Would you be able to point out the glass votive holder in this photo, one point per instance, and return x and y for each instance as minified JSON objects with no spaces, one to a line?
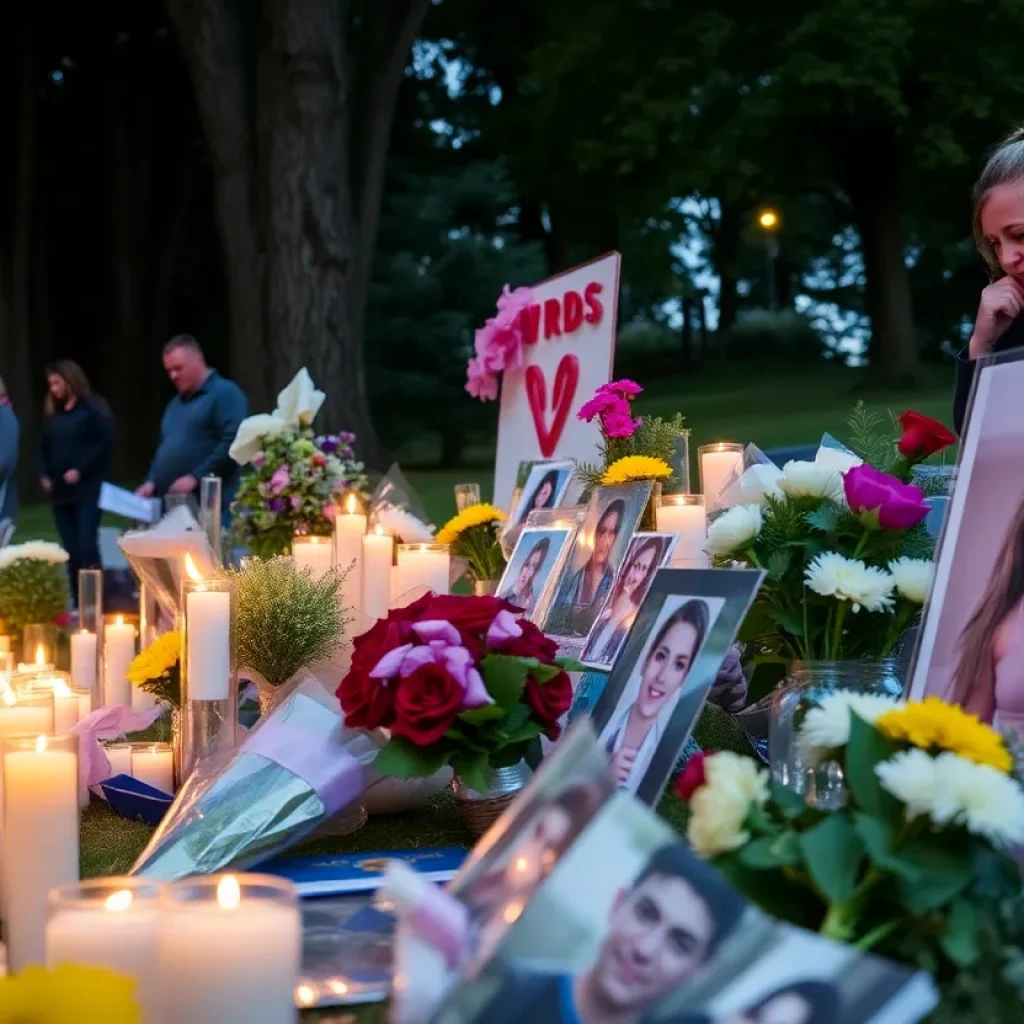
{"x":233,"y":944}
{"x":120,"y":757}
{"x":718,"y":464}
{"x":313,"y":553}
{"x":38,"y":647}
{"x":681,"y":462}
{"x":26,"y":712}
{"x":153,"y":764}
{"x":466,"y":495}
{"x":111,"y":922}
{"x":422,"y":565}
{"x":209,"y":684}
{"x":685,"y":515}
{"x":67,"y":706}
{"x":210,"y":517}
{"x":90,"y":600}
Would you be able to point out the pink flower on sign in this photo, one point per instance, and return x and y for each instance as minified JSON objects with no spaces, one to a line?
{"x":498,"y":345}
{"x":879,"y":497}
{"x":280,"y":480}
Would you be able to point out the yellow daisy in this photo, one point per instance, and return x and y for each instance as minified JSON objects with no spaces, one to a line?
{"x":636,"y":467}
{"x":933,"y":724}
{"x":157,"y":659}
{"x":470,"y":516}
{"x":69,"y":994}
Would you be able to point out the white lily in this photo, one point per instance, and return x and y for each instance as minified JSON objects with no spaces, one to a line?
{"x":297,"y":404}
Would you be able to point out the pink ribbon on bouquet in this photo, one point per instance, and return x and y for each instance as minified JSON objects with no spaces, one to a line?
{"x":106,"y":724}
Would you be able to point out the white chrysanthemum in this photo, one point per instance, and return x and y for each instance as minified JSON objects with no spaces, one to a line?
{"x":837,"y":458}
{"x":759,"y":482}
{"x":811,"y":480}
{"x":849,"y":579}
{"x":403,"y":525}
{"x":733,"y":530}
{"x":913,"y":578}
{"x":33,"y":550}
{"x":828,"y":725}
{"x":950,"y":790}
{"x":719,"y":808}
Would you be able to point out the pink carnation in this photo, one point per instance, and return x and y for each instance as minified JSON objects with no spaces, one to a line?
{"x":599,"y":404}
{"x":479,"y":383}
{"x":498,"y":344}
{"x":617,"y":424}
{"x":624,"y":388}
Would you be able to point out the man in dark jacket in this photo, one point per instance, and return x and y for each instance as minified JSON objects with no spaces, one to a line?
{"x":10,"y":433}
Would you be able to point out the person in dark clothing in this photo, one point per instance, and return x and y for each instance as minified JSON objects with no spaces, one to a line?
{"x":999,"y":236}
{"x":74,"y":455}
{"x":199,"y":424}
{"x":10,"y":433}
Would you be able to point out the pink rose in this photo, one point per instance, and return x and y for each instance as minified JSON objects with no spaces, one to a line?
{"x":280,"y":480}
{"x":871,"y":493}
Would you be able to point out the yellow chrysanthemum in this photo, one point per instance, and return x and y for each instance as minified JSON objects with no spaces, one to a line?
{"x":932,"y":724}
{"x":69,"y":994}
{"x":158,"y":658}
{"x":636,"y":467}
{"x":470,"y":516}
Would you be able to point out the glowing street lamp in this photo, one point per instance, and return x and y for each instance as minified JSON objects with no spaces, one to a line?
{"x":768,"y":219}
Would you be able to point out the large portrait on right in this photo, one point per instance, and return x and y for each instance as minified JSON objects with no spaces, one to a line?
{"x":971,"y":646}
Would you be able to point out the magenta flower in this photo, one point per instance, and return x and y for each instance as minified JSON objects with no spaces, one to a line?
{"x":880,"y":498}
{"x":601,"y":402}
{"x":455,"y":659}
{"x":498,"y":345}
{"x":480,"y":383}
{"x":624,"y":388}
{"x":504,"y":627}
{"x":279,"y":481}
{"x":330,"y":512}
{"x":618,"y":424}
{"x":259,"y":460}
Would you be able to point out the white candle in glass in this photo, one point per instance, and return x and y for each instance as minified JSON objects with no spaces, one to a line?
{"x":208,"y":641}
{"x":153,"y":764}
{"x":230,"y":950}
{"x":423,"y":565}
{"x":66,"y":708}
{"x":120,"y":757}
{"x":39,"y":839}
{"x":684,"y":515}
{"x":313,"y":553}
{"x":349,"y":529}
{"x":39,"y":665}
{"x":118,"y":654}
{"x":26,"y":713}
{"x":112,"y":923}
{"x":378,"y":552}
{"x":84,"y":660}
{"x":718,"y":463}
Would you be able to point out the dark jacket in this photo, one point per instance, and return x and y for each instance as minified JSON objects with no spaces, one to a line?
{"x":79,"y":438}
{"x":1013,"y":337}
{"x":9,"y":435}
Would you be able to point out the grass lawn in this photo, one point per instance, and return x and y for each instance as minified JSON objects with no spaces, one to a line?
{"x":771,"y":411}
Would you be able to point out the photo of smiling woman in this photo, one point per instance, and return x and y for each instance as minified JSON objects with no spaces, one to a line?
{"x":636,"y":728}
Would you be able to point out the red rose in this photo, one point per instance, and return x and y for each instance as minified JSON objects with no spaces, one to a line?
{"x":922,"y":436}
{"x":549,"y":701}
{"x":367,"y":703}
{"x":63,"y":620}
{"x":467,"y":614}
{"x":532,"y":644}
{"x":692,"y":776}
{"x":427,"y":703}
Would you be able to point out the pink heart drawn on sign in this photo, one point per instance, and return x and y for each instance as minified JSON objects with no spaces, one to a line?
{"x":567,"y":376}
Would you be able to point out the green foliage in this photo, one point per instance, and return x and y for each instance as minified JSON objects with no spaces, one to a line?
{"x":166,"y":688}
{"x":33,"y":591}
{"x":285,"y":619}
{"x":656,"y":438}
{"x":869,"y":439}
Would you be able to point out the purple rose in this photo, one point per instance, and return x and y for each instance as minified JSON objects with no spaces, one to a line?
{"x":870,"y":492}
{"x":277,"y":504}
{"x":329,"y":445}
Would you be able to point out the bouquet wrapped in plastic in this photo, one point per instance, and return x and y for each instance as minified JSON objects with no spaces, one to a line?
{"x":299,"y":768}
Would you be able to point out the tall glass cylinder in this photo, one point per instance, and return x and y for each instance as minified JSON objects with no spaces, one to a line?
{"x":149,"y":617}
{"x":210,"y":514}
{"x":681,"y":464}
{"x":90,"y":600}
{"x":86,"y":646}
{"x":209,"y":685}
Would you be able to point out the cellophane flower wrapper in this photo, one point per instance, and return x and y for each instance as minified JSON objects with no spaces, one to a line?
{"x":297,"y":769}
{"x":157,"y":556}
{"x":731,"y":493}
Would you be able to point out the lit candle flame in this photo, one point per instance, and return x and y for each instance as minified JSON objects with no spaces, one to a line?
{"x":40,"y":744}
{"x":190,"y":568}
{"x":119,"y":901}
{"x":350,"y":505}
{"x":61,"y":689}
{"x":337,"y":987}
{"x":229,"y":893}
{"x":119,"y":620}
{"x":522,"y":865}
{"x":305,"y":995}
{"x":10,"y":698}
{"x":40,"y":654}
{"x":379,"y":530}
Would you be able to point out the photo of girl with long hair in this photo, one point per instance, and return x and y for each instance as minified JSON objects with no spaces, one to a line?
{"x":647,"y":553}
{"x":529,"y":576}
{"x":545,"y":487}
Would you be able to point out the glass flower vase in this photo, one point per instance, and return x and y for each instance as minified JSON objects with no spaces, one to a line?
{"x":821,"y":784}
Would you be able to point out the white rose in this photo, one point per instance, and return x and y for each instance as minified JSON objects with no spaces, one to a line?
{"x":758,"y":483}
{"x":811,"y":480}
{"x":913,"y":578}
{"x":718,"y":809}
{"x":734,"y":529}
{"x":838,"y":459}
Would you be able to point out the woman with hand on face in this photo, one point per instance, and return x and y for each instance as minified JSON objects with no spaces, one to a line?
{"x":999,"y":236}
{"x":632,"y":737}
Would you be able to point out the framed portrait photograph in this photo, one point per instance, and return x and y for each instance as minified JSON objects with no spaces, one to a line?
{"x":673,"y":653}
{"x":971,"y":641}
{"x":613,"y":514}
{"x":646,"y":554}
{"x":540,"y":486}
{"x":532,"y":572}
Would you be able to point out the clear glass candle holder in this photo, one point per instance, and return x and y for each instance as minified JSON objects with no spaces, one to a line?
{"x":682,"y":463}
{"x":38,"y":647}
{"x":718,"y":463}
{"x":685,"y":515}
{"x":209,"y":684}
{"x":466,"y":495}
{"x":113,"y":923}
{"x":313,"y":553}
{"x":90,"y":599}
{"x":422,"y":565}
{"x":86,"y":649}
{"x":26,"y":712}
{"x":210,"y":514}
{"x":234,"y":944}
{"x":153,"y":764}
{"x":120,"y":757}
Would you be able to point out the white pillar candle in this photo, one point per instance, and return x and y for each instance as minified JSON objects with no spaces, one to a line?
{"x":349,"y":529}
{"x":26,"y":713}
{"x":39,"y":839}
{"x":208,"y":645}
{"x":718,"y":463}
{"x":230,"y":950}
{"x":153,"y":764}
{"x":112,"y":923}
{"x":378,"y":551}
{"x":684,"y":514}
{"x":66,"y":708}
{"x":118,"y":654}
{"x":85,"y":661}
{"x":313,"y":553}
{"x":423,"y":565}
{"x":120,"y":757}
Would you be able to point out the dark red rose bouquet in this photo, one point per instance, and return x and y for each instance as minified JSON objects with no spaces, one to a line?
{"x":456,"y":680}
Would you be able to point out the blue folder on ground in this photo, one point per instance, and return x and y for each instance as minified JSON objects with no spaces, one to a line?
{"x":135,"y":800}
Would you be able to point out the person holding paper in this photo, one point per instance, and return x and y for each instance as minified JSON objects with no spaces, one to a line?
{"x":10,"y":433}
{"x":198,"y":427}
{"x":74,"y":457}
